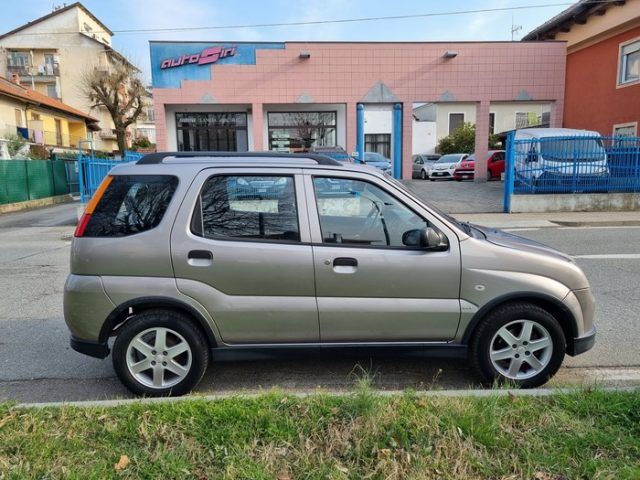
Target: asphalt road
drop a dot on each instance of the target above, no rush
(37, 364)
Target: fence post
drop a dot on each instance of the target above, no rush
(509, 180)
(81, 177)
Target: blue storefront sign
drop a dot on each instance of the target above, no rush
(173, 62)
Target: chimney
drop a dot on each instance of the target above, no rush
(15, 78)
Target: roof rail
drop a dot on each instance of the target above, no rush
(158, 157)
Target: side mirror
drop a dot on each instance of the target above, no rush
(428, 238)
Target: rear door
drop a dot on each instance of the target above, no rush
(370, 286)
(241, 247)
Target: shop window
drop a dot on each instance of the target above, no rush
(379, 143)
(456, 120)
(629, 68)
(217, 132)
(301, 131)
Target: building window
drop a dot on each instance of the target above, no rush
(52, 91)
(379, 143)
(625, 129)
(217, 132)
(629, 63)
(19, 59)
(492, 123)
(301, 131)
(456, 120)
(151, 116)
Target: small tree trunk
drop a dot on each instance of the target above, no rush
(121, 137)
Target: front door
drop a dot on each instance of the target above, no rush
(241, 248)
(370, 286)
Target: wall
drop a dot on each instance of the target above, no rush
(593, 101)
(348, 73)
(424, 137)
(8, 116)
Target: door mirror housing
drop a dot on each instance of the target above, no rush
(427, 238)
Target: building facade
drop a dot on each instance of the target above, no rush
(52, 54)
(603, 64)
(295, 96)
(40, 119)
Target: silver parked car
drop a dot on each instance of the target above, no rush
(185, 257)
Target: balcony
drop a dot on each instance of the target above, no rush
(108, 134)
(45, 73)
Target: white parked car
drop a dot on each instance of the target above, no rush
(446, 165)
(552, 156)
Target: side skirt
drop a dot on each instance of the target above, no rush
(314, 350)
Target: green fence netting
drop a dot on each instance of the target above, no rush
(22, 180)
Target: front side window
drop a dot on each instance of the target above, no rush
(629, 63)
(131, 204)
(260, 207)
(355, 212)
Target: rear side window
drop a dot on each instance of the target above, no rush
(261, 207)
(131, 204)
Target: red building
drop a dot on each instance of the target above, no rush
(602, 89)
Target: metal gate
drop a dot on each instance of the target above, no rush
(92, 170)
(570, 165)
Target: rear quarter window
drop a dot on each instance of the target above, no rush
(131, 204)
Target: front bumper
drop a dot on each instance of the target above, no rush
(582, 344)
(88, 347)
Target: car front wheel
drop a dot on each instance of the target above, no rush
(519, 343)
(160, 353)
(423, 175)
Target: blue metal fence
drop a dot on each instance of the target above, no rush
(571, 164)
(91, 171)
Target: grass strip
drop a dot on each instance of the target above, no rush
(583, 434)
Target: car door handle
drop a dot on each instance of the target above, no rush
(345, 262)
(345, 265)
(200, 258)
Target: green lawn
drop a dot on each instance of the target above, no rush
(361, 435)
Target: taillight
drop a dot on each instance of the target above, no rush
(91, 206)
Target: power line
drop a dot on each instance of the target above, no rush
(325, 22)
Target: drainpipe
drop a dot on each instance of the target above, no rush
(360, 132)
(397, 140)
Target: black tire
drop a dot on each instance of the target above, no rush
(480, 343)
(179, 323)
(489, 175)
(423, 175)
(432, 179)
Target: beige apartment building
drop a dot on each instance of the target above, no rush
(52, 53)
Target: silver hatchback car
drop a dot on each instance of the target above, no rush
(188, 257)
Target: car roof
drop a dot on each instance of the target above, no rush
(555, 132)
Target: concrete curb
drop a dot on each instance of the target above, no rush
(32, 204)
(535, 392)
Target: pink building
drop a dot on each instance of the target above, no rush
(296, 96)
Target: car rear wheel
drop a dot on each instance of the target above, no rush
(519, 343)
(160, 353)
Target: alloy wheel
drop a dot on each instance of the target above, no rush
(521, 349)
(159, 357)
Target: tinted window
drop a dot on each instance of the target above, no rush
(247, 207)
(354, 212)
(131, 204)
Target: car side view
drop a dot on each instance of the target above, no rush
(184, 258)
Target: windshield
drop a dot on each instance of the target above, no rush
(570, 149)
(451, 158)
(374, 157)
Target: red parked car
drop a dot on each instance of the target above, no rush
(495, 166)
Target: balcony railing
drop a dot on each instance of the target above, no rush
(108, 134)
(41, 137)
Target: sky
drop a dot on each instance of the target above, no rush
(146, 14)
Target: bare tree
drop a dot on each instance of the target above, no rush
(121, 91)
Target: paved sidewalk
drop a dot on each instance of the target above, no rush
(560, 219)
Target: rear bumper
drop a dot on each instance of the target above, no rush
(582, 344)
(87, 347)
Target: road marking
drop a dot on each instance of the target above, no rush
(630, 256)
(521, 229)
(593, 227)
